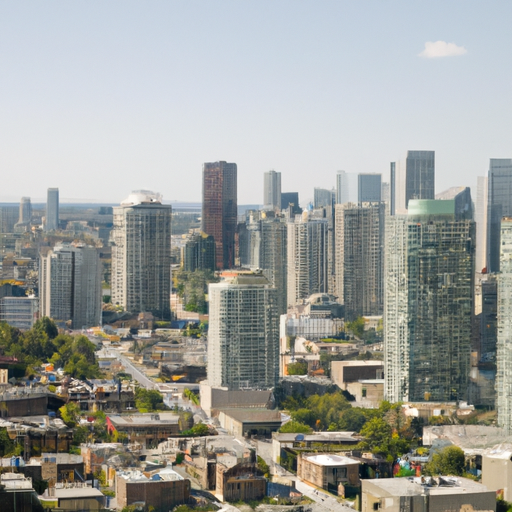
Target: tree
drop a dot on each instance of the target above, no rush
(298, 368)
(449, 461)
(148, 400)
(295, 427)
(356, 327)
(352, 420)
(70, 414)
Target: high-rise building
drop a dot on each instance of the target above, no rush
(419, 175)
(323, 197)
(243, 333)
(363, 259)
(198, 253)
(504, 345)
(52, 210)
(307, 255)
(428, 302)
(25, 215)
(219, 217)
(392, 188)
(272, 190)
(291, 199)
(481, 223)
(273, 257)
(141, 254)
(369, 188)
(70, 285)
(499, 205)
(342, 187)
(9, 215)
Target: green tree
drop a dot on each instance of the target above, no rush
(352, 420)
(294, 427)
(148, 400)
(70, 414)
(298, 368)
(356, 327)
(449, 461)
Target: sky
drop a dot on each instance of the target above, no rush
(100, 98)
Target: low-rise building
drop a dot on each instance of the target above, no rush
(426, 494)
(163, 490)
(334, 473)
(146, 429)
(345, 372)
(367, 392)
(497, 470)
(250, 421)
(74, 497)
(17, 493)
(241, 482)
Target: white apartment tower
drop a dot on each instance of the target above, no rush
(243, 334)
(504, 343)
(272, 190)
(141, 254)
(52, 210)
(70, 285)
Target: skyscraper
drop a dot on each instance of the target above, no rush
(273, 257)
(198, 253)
(70, 285)
(481, 223)
(219, 215)
(25, 214)
(419, 176)
(52, 210)
(369, 188)
(428, 302)
(504, 343)
(323, 197)
(392, 188)
(307, 255)
(363, 259)
(272, 190)
(243, 334)
(290, 199)
(141, 254)
(342, 187)
(499, 205)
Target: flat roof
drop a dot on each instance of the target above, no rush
(318, 437)
(145, 419)
(413, 486)
(253, 415)
(75, 492)
(327, 459)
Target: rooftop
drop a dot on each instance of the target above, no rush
(251, 415)
(325, 459)
(417, 486)
(145, 419)
(324, 437)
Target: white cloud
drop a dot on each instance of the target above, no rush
(441, 49)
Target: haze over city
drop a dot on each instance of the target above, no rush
(102, 98)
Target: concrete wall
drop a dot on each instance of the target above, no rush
(497, 475)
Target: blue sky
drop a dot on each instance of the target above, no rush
(99, 98)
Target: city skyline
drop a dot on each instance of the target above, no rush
(118, 91)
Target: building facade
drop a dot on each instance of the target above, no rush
(419, 175)
(198, 253)
(52, 210)
(363, 259)
(141, 255)
(19, 312)
(243, 334)
(504, 342)
(499, 205)
(219, 216)
(307, 255)
(272, 190)
(369, 188)
(428, 304)
(70, 285)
